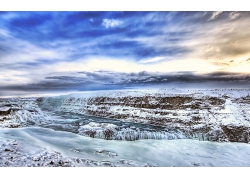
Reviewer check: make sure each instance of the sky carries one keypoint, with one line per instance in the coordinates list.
(44, 52)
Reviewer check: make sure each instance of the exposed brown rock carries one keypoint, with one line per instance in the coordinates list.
(152, 102)
(5, 111)
(243, 100)
(236, 133)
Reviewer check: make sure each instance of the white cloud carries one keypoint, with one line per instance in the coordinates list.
(233, 15)
(123, 65)
(150, 79)
(24, 51)
(212, 49)
(9, 77)
(215, 15)
(31, 53)
(156, 59)
(109, 23)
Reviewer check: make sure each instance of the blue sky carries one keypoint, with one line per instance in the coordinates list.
(53, 52)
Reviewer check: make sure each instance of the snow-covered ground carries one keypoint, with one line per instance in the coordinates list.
(124, 128)
(45, 147)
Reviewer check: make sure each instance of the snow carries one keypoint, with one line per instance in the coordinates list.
(4, 108)
(98, 126)
(15, 151)
(131, 140)
(40, 146)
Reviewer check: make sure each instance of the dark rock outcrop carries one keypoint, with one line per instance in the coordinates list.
(237, 133)
(4, 111)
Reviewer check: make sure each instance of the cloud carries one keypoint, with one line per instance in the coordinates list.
(128, 65)
(146, 36)
(234, 15)
(110, 23)
(21, 51)
(103, 80)
(212, 49)
(152, 60)
(215, 15)
(51, 47)
(67, 79)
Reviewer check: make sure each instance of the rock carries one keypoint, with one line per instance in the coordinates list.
(108, 133)
(5, 111)
(14, 125)
(236, 133)
(51, 162)
(90, 133)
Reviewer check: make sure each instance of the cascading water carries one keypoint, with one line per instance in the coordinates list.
(113, 132)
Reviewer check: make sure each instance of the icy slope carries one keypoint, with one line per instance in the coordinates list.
(216, 115)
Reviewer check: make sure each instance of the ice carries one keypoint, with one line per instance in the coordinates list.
(113, 132)
(112, 128)
(16, 152)
(39, 146)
